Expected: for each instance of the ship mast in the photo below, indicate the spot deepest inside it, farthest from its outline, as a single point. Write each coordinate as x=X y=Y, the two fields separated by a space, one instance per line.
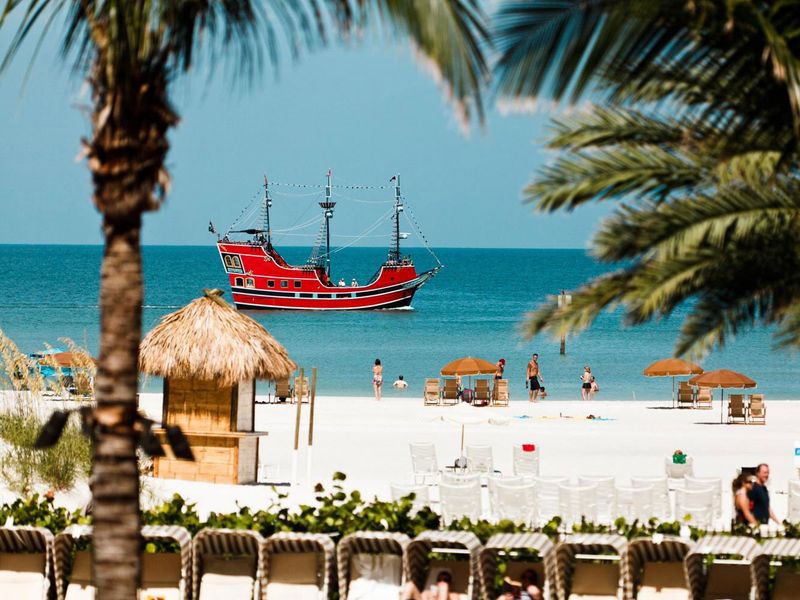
x=267 y=205
x=328 y=207
x=394 y=250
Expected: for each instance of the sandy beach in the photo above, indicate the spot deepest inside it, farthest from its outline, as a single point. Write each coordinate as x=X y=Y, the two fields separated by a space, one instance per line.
x=368 y=441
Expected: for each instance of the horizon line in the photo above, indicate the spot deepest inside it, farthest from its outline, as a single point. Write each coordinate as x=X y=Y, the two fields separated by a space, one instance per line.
x=74 y=244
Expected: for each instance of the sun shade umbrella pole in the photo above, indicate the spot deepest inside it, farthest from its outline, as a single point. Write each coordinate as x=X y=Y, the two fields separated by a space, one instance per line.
x=311 y=422
x=297 y=433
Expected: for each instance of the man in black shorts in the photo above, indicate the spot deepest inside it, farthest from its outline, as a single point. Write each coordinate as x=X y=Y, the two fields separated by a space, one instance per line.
x=534 y=374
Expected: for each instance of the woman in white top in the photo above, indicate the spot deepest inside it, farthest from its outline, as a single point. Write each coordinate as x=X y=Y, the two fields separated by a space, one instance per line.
x=586 y=383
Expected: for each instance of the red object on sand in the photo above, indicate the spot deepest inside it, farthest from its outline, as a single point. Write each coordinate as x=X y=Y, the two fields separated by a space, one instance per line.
x=528 y=447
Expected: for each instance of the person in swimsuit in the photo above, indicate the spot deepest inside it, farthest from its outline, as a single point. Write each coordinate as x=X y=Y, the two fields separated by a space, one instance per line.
x=439 y=591
x=586 y=383
x=742 y=505
x=533 y=376
x=501 y=366
x=377 y=378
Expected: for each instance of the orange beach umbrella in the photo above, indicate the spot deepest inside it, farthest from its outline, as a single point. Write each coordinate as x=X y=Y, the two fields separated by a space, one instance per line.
x=722 y=378
x=672 y=367
x=468 y=365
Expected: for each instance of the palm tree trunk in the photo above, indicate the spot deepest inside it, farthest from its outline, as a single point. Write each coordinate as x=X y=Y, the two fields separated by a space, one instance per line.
x=115 y=478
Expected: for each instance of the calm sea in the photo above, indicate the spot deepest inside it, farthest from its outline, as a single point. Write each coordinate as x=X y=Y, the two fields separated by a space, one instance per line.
x=474 y=306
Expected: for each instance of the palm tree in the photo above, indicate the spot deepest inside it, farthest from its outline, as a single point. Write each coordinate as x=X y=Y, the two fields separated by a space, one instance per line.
x=131 y=51
x=696 y=137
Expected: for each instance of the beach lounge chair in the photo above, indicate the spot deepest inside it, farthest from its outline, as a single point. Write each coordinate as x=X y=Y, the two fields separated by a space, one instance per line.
x=431 y=395
x=460 y=500
x=714 y=572
x=26 y=556
x=737 y=411
x=514 y=501
x=589 y=566
x=757 y=411
x=793 y=512
x=500 y=392
x=482 y=393
x=464 y=548
x=606 y=511
x=677 y=470
x=450 y=392
x=685 y=395
x=577 y=502
x=298 y=566
x=525 y=458
x=506 y=546
x=423 y=462
x=697 y=505
x=283 y=390
x=460 y=478
x=704 y=398
x=662 y=507
x=480 y=460
x=228 y=563
x=653 y=569
x=634 y=503
x=370 y=565
x=547 y=496
x=784 y=582
x=421 y=494
x=300 y=390
x=700 y=483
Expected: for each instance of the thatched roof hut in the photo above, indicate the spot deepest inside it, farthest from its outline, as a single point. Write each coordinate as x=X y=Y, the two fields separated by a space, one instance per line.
x=209 y=339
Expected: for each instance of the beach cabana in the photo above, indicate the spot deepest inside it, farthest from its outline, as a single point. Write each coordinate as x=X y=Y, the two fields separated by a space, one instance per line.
x=723 y=379
x=26 y=556
x=711 y=576
x=653 y=568
x=210 y=356
x=298 y=566
x=422 y=570
x=165 y=575
x=672 y=367
x=579 y=573
x=370 y=565
x=505 y=544
x=228 y=564
x=786 y=582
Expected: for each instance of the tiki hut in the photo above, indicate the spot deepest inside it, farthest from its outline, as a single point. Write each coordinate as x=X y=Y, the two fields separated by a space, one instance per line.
x=210 y=356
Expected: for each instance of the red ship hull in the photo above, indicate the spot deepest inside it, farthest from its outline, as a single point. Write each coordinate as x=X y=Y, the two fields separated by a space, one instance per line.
x=261 y=279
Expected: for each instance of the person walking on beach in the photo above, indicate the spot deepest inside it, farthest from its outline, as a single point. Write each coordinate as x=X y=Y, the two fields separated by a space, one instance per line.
x=759 y=495
x=586 y=383
x=377 y=378
x=534 y=374
x=501 y=366
x=742 y=505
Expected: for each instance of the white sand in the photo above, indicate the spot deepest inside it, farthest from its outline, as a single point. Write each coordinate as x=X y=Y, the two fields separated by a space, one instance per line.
x=368 y=440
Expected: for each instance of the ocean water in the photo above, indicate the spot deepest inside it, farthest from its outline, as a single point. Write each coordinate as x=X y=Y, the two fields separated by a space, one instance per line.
x=474 y=306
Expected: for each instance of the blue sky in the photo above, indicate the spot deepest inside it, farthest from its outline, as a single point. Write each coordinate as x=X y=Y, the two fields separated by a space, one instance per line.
x=366 y=112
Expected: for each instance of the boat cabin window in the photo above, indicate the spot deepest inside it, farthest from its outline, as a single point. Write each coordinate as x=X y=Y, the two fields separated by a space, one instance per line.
x=284 y=283
x=270 y=283
x=239 y=282
x=237 y=262
x=250 y=283
x=232 y=262
x=228 y=260
x=297 y=284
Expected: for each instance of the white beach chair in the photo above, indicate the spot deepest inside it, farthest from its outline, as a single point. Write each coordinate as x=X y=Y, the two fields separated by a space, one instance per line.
x=423 y=461
x=793 y=513
x=26 y=555
x=458 y=501
x=370 y=565
x=492 y=486
x=480 y=460
x=228 y=563
x=515 y=502
x=421 y=494
x=677 y=470
x=696 y=504
x=298 y=566
x=700 y=483
x=460 y=478
x=634 y=503
x=577 y=502
x=662 y=506
x=606 y=511
x=526 y=462
x=547 y=496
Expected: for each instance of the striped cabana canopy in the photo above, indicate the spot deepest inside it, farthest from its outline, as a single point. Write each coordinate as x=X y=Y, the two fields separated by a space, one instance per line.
x=318 y=543
x=501 y=542
x=585 y=543
x=30 y=540
x=648 y=549
x=773 y=549
x=227 y=542
x=715 y=544
x=416 y=557
x=366 y=542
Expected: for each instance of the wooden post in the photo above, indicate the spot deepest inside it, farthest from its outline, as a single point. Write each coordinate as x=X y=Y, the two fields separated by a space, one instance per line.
x=564 y=300
x=297 y=433
x=313 y=395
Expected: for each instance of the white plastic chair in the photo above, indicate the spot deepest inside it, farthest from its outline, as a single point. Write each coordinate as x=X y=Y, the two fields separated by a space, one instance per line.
x=459 y=501
x=480 y=459
x=678 y=471
x=421 y=495
x=634 y=503
x=699 y=483
x=460 y=478
x=698 y=504
x=492 y=485
x=423 y=462
x=793 y=514
x=547 y=496
x=576 y=502
x=662 y=507
x=606 y=511
x=515 y=502
x=526 y=463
